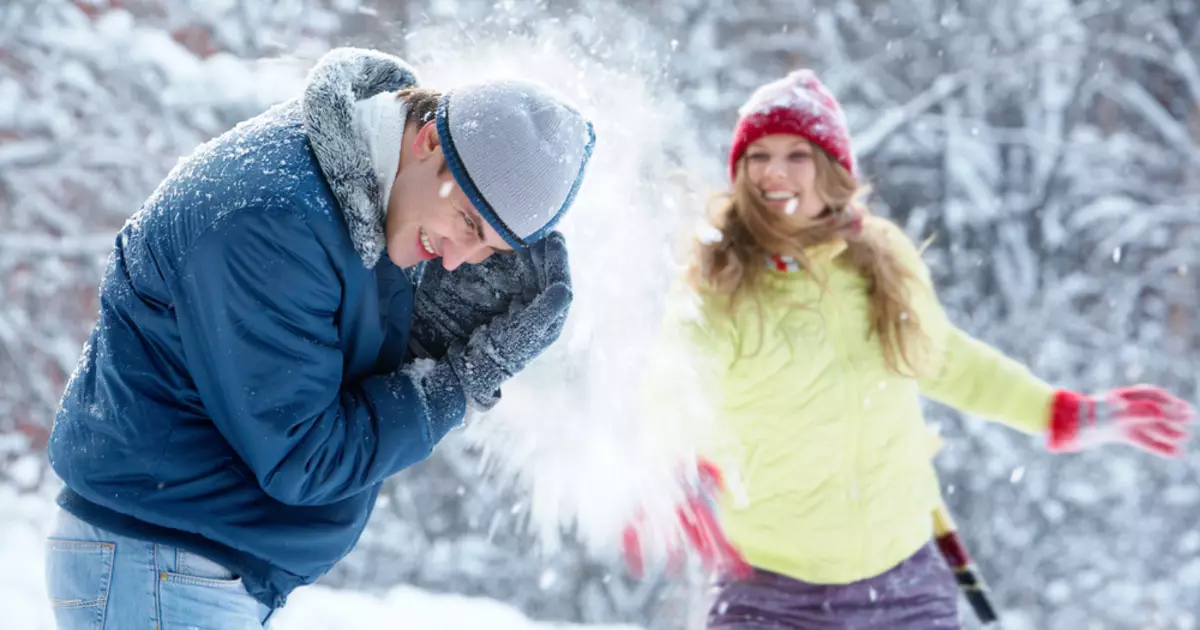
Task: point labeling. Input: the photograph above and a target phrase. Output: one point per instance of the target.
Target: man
(245, 390)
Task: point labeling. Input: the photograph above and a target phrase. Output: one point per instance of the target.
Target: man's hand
(449, 306)
(490, 320)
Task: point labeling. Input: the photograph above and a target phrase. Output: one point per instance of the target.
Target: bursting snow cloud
(571, 430)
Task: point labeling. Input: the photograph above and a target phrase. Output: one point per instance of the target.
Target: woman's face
(782, 169)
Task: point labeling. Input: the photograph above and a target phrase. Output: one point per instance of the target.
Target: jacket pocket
(78, 575)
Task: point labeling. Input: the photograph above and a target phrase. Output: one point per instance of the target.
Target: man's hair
(422, 108)
(422, 105)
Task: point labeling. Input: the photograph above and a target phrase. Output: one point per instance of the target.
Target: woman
(823, 329)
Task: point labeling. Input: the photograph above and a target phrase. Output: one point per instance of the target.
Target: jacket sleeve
(978, 379)
(962, 371)
(257, 303)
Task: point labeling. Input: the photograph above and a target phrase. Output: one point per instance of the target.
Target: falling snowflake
(1017, 474)
(707, 234)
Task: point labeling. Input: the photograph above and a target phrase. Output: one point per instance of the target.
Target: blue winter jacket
(239, 396)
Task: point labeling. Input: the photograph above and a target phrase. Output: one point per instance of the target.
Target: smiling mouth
(425, 244)
(778, 195)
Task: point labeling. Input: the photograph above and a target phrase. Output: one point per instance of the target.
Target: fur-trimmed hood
(341, 78)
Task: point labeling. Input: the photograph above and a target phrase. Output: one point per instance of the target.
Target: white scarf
(379, 121)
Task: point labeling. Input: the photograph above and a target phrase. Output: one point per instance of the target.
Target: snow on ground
(319, 608)
(25, 518)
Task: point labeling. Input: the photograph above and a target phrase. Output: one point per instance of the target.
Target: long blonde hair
(751, 231)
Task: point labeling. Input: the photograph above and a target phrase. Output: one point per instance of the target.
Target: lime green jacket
(825, 448)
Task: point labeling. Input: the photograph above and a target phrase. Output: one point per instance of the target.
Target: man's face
(428, 215)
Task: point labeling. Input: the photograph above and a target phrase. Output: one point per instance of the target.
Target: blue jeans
(98, 580)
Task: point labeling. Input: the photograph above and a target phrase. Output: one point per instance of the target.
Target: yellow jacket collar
(819, 254)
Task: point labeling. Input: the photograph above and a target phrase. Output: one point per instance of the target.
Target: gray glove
(488, 321)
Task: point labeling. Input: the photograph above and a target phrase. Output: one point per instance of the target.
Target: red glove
(1144, 416)
(698, 522)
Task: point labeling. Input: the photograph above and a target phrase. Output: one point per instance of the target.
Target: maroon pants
(918, 594)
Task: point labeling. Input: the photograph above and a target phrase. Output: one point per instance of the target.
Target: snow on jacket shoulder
(239, 395)
(830, 474)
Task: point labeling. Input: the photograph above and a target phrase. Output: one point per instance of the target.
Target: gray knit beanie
(518, 150)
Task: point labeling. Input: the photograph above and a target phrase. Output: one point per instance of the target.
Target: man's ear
(426, 142)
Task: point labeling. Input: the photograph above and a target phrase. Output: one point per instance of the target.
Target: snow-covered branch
(869, 139)
(1139, 101)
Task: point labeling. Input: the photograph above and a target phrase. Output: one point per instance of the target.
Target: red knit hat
(797, 104)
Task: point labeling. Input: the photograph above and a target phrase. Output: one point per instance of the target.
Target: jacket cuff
(439, 393)
(1063, 432)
